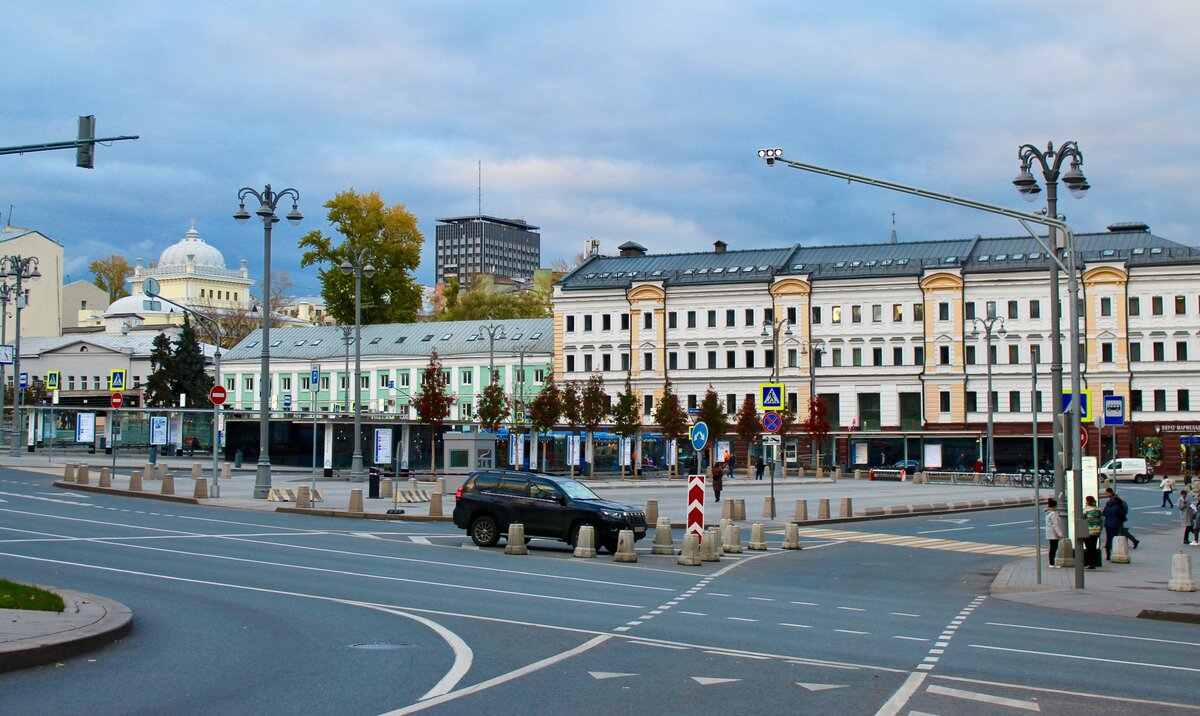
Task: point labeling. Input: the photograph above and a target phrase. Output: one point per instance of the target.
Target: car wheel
(1141, 478)
(573, 539)
(484, 531)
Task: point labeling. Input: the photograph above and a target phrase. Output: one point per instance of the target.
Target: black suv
(548, 506)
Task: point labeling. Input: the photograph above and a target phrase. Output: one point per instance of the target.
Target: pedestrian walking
(759, 466)
(718, 482)
(1187, 515)
(1167, 485)
(1054, 531)
(1116, 513)
(1091, 543)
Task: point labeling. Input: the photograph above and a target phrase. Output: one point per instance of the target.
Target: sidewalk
(1138, 589)
(29, 638)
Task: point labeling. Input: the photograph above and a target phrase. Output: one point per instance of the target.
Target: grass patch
(23, 596)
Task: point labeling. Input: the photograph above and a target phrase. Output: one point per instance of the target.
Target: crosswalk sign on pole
(52, 378)
(117, 379)
(770, 396)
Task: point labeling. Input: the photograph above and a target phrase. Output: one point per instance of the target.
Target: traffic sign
(1083, 438)
(772, 440)
(115, 400)
(698, 434)
(772, 422)
(1114, 410)
(695, 502)
(1085, 404)
(770, 396)
(52, 379)
(287, 400)
(217, 395)
(116, 380)
(314, 379)
(520, 416)
(24, 380)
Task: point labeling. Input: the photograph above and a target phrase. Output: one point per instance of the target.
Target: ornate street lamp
(20, 268)
(360, 267)
(988, 324)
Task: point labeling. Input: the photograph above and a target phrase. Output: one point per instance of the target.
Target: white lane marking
(820, 687)
(741, 619)
(600, 675)
(1106, 660)
(851, 631)
(948, 529)
(1094, 633)
(797, 626)
(893, 705)
(660, 646)
(1063, 692)
(503, 678)
(806, 604)
(984, 698)
(910, 638)
(367, 535)
(761, 599)
(852, 609)
(718, 594)
(693, 614)
(903, 614)
(463, 656)
(724, 652)
(709, 681)
(1008, 524)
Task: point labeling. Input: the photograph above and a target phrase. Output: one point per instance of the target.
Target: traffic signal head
(85, 151)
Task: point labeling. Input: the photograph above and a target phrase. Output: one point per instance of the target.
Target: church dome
(191, 250)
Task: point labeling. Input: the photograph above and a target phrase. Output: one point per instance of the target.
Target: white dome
(191, 250)
(136, 304)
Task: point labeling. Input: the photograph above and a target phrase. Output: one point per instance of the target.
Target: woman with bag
(1054, 531)
(1091, 543)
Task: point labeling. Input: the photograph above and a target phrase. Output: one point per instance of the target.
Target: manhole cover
(380, 645)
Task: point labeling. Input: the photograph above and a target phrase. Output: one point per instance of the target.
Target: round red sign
(1083, 437)
(217, 395)
(116, 400)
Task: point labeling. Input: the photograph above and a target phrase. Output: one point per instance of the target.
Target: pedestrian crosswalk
(918, 542)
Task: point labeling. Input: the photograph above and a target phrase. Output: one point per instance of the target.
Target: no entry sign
(217, 395)
(695, 505)
(115, 400)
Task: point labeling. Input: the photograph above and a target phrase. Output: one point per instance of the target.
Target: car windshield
(577, 490)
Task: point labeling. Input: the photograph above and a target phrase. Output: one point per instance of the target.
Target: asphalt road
(239, 612)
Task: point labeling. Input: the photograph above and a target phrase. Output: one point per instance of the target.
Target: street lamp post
(812, 348)
(268, 200)
(772, 329)
(20, 268)
(1051, 162)
(360, 267)
(494, 331)
(988, 324)
(7, 291)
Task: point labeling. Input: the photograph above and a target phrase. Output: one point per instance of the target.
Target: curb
(319, 512)
(116, 621)
(128, 493)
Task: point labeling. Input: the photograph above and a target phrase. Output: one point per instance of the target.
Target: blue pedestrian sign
(770, 396)
(698, 435)
(116, 380)
(1085, 404)
(1114, 410)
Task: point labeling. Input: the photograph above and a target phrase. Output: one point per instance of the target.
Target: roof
(15, 232)
(402, 339)
(138, 345)
(515, 223)
(699, 267)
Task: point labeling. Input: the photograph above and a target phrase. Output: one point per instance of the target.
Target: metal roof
(699, 267)
(514, 223)
(536, 335)
(138, 345)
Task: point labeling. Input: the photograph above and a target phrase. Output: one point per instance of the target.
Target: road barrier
(168, 484)
(1120, 550)
(1181, 573)
(81, 474)
(585, 542)
(356, 500)
(201, 488)
(710, 546)
(516, 539)
(733, 542)
(663, 544)
(651, 512)
(135, 481)
(625, 551)
(758, 541)
(801, 514)
(689, 554)
(791, 536)
(105, 477)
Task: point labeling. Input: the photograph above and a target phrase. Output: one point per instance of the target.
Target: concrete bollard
(148, 471)
(1120, 550)
(820, 473)
(791, 536)
(1181, 574)
(689, 554)
(135, 481)
(739, 509)
(387, 488)
(710, 546)
(69, 472)
(441, 485)
(652, 513)
(303, 497)
(758, 537)
(168, 485)
(516, 539)
(625, 551)
(823, 509)
(412, 483)
(724, 527)
(201, 488)
(81, 474)
(356, 500)
(858, 474)
(435, 505)
(585, 542)
(197, 471)
(663, 544)
(769, 507)
(163, 472)
(847, 507)
(733, 545)
(1066, 554)
(105, 477)
(727, 509)
(801, 511)
(226, 470)
(837, 473)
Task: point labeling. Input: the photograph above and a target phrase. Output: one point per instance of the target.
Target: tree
(816, 427)
(572, 414)
(747, 425)
(672, 419)
(110, 273)
(433, 402)
(237, 323)
(493, 407)
(593, 410)
(188, 376)
(626, 417)
(545, 409)
(483, 301)
(159, 392)
(392, 241)
(562, 265)
(712, 414)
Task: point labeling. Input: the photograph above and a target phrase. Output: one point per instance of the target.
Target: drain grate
(380, 645)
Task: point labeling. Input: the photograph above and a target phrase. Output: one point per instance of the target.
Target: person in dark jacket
(718, 482)
(1116, 512)
(759, 466)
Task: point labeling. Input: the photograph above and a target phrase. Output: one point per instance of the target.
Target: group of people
(1111, 519)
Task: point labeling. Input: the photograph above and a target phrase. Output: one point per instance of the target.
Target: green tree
(672, 419)
(747, 425)
(626, 416)
(432, 402)
(110, 273)
(390, 236)
(188, 376)
(483, 300)
(712, 414)
(816, 427)
(159, 390)
(545, 409)
(494, 407)
(593, 410)
(572, 414)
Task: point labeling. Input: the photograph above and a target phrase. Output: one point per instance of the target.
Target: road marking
(1063, 692)
(797, 626)
(806, 604)
(945, 529)
(601, 675)
(911, 638)
(1008, 524)
(820, 687)
(368, 535)
(463, 656)
(984, 698)
(850, 631)
(903, 614)
(741, 619)
(917, 542)
(717, 594)
(898, 700)
(1106, 660)
(852, 609)
(709, 681)
(693, 614)
(1094, 633)
(726, 652)
(659, 646)
(761, 599)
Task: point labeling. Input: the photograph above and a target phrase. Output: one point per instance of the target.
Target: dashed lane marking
(917, 542)
(984, 698)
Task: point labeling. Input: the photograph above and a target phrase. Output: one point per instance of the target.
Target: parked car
(1127, 468)
(909, 466)
(548, 506)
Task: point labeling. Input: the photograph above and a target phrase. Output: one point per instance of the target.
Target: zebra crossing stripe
(916, 542)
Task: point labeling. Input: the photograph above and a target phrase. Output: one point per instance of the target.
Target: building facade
(193, 273)
(42, 311)
(886, 335)
(468, 245)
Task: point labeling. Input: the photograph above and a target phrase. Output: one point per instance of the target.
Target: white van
(1127, 468)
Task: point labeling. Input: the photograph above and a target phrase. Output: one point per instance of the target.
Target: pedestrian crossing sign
(770, 396)
(52, 378)
(117, 379)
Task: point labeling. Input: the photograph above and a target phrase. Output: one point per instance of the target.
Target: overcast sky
(614, 120)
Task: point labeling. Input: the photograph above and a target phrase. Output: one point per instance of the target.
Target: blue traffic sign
(287, 400)
(1114, 410)
(314, 378)
(772, 422)
(698, 435)
(24, 380)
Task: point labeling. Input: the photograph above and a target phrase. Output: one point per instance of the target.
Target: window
(1012, 310)
(730, 359)
(816, 314)
(1180, 305)
(606, 322)
(876, 356)
(672, 320)
(818, 358)
(691, 402)
(897, 356)
(943, 355)
(1159, 351)
(791, 315)
(944, 401)
(730, 317)
(606, 362)
(991, 309)
(539, 375)
(1135, 306)
(712, 360)
(969, 355)
(1106, 352)
(1014, 356)
(1035, 309)
(969, 310)
(919, 355)
(1105, 306)
(749, 316)
(248, 384)
(837, 357)
(1181, 350)
(994, 402)
(918, 312)
(230, 383)
(570, 364)
(1014, 401)
(1156, 305)
(647, 404)
(1135, 352)
(305, 383)
(587, 363)
(856, 314)
(972, 401)
(691, 319)
(793, 358)
(324, 382)
(943, 311)
(876, 314)
(403, 376)
(587, 322)
(648, 320)
(835, 313)
(625, 362)
(344, 382)
(648, 361)
(1160, 400)
(467, 377)
(712, 319)
(897, 312)
(624, 321)
(569, 329)
(364, 381)
(750, 359)
(285, 383)
(1183, 400)
(672, 360)
(691, 364)
(1135, 400)
(769, 358)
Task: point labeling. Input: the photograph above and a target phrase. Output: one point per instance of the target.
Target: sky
(610, 120)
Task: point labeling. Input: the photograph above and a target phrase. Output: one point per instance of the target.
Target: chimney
(719, 246)
(630, 248)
